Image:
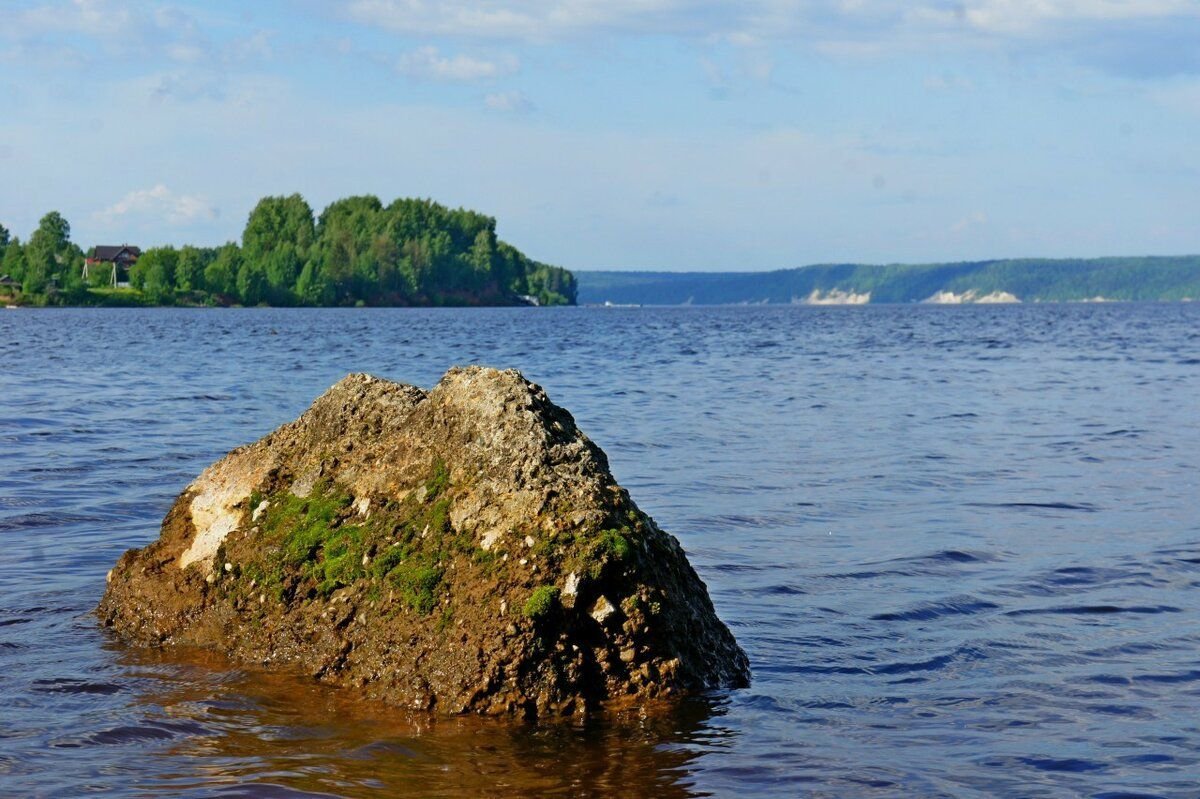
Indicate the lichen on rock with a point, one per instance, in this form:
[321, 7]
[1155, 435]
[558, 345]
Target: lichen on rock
[460, 550]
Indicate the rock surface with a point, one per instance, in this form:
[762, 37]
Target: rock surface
[460, 550]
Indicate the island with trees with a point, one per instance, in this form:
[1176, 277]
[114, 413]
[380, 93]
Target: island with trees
[358, 252]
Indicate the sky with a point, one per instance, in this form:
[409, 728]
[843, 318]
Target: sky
[620, 134]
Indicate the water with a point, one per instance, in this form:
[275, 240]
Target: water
[961, 547]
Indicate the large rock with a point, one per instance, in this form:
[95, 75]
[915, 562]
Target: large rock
[461, 550]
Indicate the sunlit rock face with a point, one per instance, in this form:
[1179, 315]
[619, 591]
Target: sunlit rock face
[970, 296]
[461, 550]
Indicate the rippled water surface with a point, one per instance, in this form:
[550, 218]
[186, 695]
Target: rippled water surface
[961, 547]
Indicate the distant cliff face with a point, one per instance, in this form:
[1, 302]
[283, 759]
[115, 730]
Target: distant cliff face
[460, 550]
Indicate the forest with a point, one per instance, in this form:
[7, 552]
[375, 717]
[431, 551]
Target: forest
[358, 252]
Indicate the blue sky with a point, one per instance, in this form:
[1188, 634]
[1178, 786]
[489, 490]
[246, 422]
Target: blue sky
[622, 134]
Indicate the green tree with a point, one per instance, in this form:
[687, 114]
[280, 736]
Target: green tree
[552, 285]
[53, 232]
[38, 270]
[313, 286]
[278, 223]
[14, 260]
[346, 233]
[276, 242]
[281, 268]
[336, 263]
[4, 237]
[156, 268]
[48, 251]
[189, 269]
[251, 283]
[72, 288]
[137, 274]
[220, 276]
[482, 252]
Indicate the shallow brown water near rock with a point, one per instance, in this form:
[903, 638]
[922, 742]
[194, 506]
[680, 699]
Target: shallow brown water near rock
[960, 546]
[233, 731]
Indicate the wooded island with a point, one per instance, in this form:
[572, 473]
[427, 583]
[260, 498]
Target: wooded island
[413, 252]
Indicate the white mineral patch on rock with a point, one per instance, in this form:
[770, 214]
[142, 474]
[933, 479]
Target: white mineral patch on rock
[260, 510]
[489, 538]
[836, 297]
[217, 492]
[602, 609]
[572, 586]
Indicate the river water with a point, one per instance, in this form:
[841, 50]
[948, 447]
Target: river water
[961, 547]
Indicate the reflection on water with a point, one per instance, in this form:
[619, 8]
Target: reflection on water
[232, 731]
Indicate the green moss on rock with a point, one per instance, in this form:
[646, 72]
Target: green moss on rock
[541, 603]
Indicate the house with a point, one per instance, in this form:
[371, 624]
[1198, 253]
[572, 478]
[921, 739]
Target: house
[114, 256]
[9, 285]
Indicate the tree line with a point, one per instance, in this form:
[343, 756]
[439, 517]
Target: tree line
[358, 252]
[49, 260]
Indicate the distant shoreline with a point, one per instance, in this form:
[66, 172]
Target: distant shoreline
[128, 298]
[602, 306]
[1029, 280]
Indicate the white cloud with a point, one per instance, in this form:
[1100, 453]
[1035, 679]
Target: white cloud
[1136, 37]
[186, 53]
[523, 19]
[948, 82]
[108, 27]
[1022, 16]
[159, 201]
[256, 46]
[970, 221]
[134, 31]
[98, 18]
[428, 62]
[511, 102]
[741, 21]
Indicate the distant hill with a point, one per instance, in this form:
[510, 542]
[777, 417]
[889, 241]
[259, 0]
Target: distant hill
[1166, 278]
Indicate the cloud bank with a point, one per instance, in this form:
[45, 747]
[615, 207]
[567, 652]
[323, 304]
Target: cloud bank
[159, 203]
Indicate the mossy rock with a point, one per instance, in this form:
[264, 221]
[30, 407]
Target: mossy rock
[460, 550]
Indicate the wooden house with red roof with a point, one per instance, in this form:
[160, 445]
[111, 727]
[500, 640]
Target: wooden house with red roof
[116, 257]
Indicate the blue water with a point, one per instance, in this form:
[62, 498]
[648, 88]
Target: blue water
[961, 547]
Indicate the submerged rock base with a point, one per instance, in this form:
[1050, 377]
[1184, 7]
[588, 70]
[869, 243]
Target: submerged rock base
[462, 550]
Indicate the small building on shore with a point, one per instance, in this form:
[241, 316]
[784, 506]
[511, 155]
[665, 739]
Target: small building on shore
[114, 258]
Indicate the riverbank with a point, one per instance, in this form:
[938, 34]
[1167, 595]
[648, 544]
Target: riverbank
[132, 298]
[1031, 280]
